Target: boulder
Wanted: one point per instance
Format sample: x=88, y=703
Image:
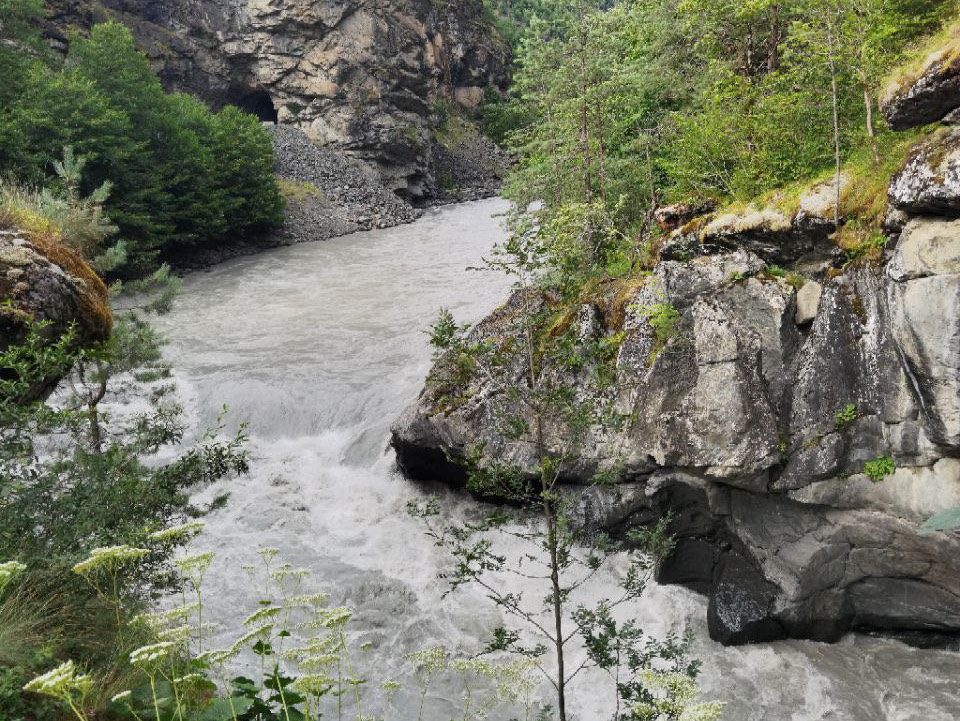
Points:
x=43, y=281
x=927, y=95
x=741, y=601
x=808, y=302
x=929, y=182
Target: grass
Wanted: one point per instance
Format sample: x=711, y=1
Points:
x=299, y=190
x=60, y=234
x=943, y=47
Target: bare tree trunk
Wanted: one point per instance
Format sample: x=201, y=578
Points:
x=550, y=517
x=831, y=51
x=871, y=133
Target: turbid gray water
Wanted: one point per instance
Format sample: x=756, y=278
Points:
x=320, y=346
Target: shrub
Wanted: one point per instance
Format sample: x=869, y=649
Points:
x=845, y=416
x=181, y=175
x=879, y=468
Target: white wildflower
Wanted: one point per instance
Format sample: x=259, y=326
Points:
x=218, y=655
x=61, y=682
x=189, y=679
x=8, y=570
x=184, y=531
x=313, y=684
x=260, y=632
x=197, y=564
x=109, y=557
x=146, y=655
x=262, y=614
x=122, y=696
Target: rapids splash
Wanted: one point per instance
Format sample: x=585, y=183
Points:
x=320, y=346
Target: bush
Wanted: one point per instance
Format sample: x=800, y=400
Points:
x=879, y=468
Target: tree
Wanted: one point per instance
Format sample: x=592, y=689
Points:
x=533, y=370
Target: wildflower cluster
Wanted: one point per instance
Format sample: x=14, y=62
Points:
x=109, y=558
x=66, y=683
x=8, y=570
x=673, y=696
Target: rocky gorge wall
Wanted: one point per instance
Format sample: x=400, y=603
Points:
x=356, y=75
x=757, y=423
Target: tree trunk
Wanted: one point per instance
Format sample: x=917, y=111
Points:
x=836, y=120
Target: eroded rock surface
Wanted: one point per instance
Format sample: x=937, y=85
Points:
x=754, y=426
x=929, y=182
x=926, y=96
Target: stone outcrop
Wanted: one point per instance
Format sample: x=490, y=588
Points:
x=927, y=95
x=358, y=75
x=779, y=235
x=42, y=281
x=929, y=182
x=798, y=438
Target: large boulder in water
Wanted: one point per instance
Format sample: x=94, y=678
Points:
x=735, y=430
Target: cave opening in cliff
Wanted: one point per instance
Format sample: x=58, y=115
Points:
x=258, y=103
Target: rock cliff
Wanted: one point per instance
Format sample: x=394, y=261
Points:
x=358, y=75
x=798, y=436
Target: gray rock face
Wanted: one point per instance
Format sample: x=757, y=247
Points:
x=735, y=430
x=929, y=183
x=928, y=95
x=359, y=75
x=43, y=281
x=924, y=300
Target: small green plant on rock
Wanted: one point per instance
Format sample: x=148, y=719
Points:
x=879, y=468
x=845, y=416
x=664, y=319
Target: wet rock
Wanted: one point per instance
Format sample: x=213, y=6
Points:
x=741, y=602
x=927, y=95
x=929, y=182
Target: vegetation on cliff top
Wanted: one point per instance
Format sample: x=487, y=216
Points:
x=658, y=101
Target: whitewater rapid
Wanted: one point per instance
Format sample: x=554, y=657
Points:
x=320, y=347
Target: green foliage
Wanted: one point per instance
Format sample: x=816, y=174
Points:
x=845, y=416
x=879, y=468
x=664, y=319
x=700, y=99
x=181, y=176
x=73, y=475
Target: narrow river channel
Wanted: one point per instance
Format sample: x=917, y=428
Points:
x=320, y=346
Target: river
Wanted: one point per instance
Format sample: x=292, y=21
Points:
x=320, y=346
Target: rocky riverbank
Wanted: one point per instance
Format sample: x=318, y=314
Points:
x=799, y=426
x=330, y=194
